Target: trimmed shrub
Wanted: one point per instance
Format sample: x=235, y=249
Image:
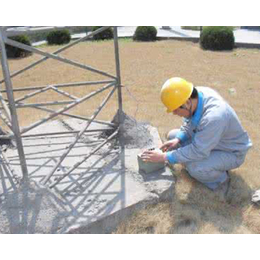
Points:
x=58, y=37
x=217, y=38
x=14, y=52
x=145, y=33
x=105, y=35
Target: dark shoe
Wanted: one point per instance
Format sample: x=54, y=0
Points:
x=224, y=187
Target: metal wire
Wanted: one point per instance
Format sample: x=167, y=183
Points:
x=134, y=98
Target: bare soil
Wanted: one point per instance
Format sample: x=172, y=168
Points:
x=144, y=68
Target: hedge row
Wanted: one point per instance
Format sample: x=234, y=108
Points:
x=211, y=38
x=142, y=33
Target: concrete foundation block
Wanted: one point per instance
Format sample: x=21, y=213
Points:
x=103, y=191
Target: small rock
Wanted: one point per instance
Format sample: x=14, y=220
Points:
x=256, y=197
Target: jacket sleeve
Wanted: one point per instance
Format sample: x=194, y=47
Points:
x=205, y=139
x=183, y=134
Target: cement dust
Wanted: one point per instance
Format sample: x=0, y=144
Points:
x=133, y=134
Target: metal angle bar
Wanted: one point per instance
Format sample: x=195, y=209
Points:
x=55, y=57
x=58, y=51
x=54, y=103
x=63, y=93
x=6, y=121
x=78, y=117
x=15, y=124
x=45, y=180
x=6, y=109
x=84, y=159
x=76, y=102
x=64, y=114
x=120, y=102
x=7, y=163
x=64, y=85
x=68, y=132
x=33, y=94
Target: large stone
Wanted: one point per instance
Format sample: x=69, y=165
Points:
x=149, y=167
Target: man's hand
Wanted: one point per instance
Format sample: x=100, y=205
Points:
x=170, y=145
x=153, y=156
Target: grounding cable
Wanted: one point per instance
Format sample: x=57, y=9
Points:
x=134, y=98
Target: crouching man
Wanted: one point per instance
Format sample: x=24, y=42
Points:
x=211, y=140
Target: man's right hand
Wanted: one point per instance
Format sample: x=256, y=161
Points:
x=170, y=145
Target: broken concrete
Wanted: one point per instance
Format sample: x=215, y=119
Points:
x=99, y=194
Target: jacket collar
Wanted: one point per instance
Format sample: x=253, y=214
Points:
x=198, y=113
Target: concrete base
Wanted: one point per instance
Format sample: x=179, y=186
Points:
x=99, y=194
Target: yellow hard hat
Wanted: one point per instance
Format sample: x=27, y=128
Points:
x=175, y=92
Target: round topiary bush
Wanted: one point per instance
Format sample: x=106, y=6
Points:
x=145, y=33
x=14, y=52
x=58, y=37
x=217, y=38
x=105, y=35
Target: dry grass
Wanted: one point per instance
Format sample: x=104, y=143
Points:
x=197, y=210
x=144, y=68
